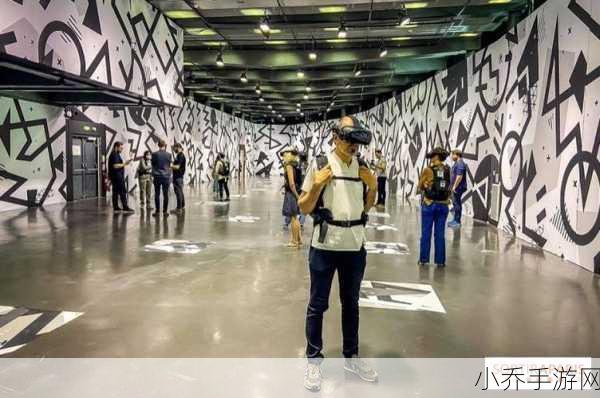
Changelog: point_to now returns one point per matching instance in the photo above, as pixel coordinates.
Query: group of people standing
(156, 169)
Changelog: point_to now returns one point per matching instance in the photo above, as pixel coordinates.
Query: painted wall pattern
(526, 114)
(33, 139)
(127, 44)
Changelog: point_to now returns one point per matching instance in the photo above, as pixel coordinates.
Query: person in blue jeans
(434, 186)
(458, 182)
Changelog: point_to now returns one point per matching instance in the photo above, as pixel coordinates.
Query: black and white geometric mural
(525, 111)
(129, 44)
(32, 143)
(19, 325)
(400, 296)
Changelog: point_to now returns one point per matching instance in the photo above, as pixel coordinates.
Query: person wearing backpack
(434, 186)
(223, 172)
(338, 192)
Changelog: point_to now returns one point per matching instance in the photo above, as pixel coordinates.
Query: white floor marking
(177, 246)
(400, 296)
(381, 227)
(244, 219)
(378, 214)
(397, 248)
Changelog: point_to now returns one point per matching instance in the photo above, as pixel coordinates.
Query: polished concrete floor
(246, 295)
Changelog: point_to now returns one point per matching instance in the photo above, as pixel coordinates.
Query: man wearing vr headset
(338, 193)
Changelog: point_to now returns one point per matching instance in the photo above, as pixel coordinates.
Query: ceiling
(440, 32)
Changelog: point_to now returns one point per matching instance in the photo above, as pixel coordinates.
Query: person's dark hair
(177, 145)
(117, 144)
(162, 143)
(439, 152)
(147, 152)
(457, 152)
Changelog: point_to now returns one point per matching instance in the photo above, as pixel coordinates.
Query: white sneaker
(361, 369)
(312, 377)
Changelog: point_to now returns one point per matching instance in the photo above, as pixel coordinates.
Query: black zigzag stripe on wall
(125, 44)
(526, 114)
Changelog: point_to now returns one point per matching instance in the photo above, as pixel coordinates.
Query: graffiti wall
(126, 44)
(33, 139)
(526, 114)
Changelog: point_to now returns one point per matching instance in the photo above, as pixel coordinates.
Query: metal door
(84, 154)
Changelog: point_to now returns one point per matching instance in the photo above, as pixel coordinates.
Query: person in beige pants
(144, 176)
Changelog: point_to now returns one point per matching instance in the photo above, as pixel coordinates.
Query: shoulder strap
(322, 161)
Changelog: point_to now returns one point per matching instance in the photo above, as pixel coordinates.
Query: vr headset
(358, 133)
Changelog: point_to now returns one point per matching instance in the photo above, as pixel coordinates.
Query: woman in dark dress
(292, 176)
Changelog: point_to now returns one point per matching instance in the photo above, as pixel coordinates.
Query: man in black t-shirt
(161, 176)
(116, 173)
(178, 174)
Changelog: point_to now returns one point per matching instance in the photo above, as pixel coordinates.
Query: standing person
(334, 193)
(380, 172)
(178, 174)
(215, 177)
(144, 176)
(161, 172)
(116, 173)
(458, 183)
(223, 171)
(434, 185)
(291, 176)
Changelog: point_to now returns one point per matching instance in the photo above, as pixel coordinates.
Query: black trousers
(161, 184)
(119, 191)
(223, 186)
(381, 190)
(178, 188)
(350, 266)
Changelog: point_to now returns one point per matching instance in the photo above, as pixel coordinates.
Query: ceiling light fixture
(305, 96)
(342, 32)
(219, 61)
(347, 85)
(257, 89)
(416, 4)
(261, 99)
(298, 105)
(357, 71)
(332, 9)
(382, 51)
(300, 74)
(312, 55)
(264, 26)
(244, 78)
(270, 106)
(308, 88)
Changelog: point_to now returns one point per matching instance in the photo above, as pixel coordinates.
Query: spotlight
(257, 89)
(300, 74)
(305, 96)
(270, 106)
(382, 51)
(301, 113)
(308, 88)
(312, 55)
(264, 26)
(244, 78)
(347, 85)
(357, 72)
(261, 99)
(219, 60)
(273, 111)
(342, 32)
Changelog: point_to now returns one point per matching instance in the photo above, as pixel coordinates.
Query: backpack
(323, 216)
(225, 169)
(440, 188)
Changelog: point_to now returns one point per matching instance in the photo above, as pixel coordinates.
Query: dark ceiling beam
(284, 59)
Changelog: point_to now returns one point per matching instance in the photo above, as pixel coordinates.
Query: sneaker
(117, 210)
(440, 265)
(453, 224)
(155, 214)
(312, 377)
(361, 369)
(128, 210)
(422, 264)
(165, 214)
